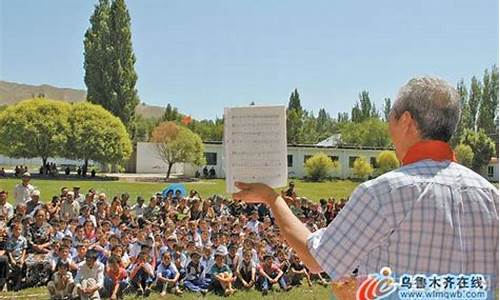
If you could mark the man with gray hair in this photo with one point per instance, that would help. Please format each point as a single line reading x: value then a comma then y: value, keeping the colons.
x: 431, y: 216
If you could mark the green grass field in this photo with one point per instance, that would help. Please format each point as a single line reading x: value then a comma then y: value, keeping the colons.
x: 48, y: 188
x: 317, y: 292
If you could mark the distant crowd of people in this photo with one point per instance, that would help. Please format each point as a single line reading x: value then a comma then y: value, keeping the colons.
x: 89, y: 246
x: 50, y: 169
x: 206, y: 173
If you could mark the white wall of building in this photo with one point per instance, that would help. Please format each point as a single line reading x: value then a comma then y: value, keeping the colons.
x: 214, y: 160
x: 300, y: 154
x: 149, y: 162
x: 491, y: 172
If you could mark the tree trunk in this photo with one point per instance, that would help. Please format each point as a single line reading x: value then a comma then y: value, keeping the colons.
x: 169, y: 169
x: 44, y: 164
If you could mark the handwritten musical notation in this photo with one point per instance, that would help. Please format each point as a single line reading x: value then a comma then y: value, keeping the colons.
x: 255, y: 145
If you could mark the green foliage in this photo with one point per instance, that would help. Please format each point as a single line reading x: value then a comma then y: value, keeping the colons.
x: 143, y: 128
x: 474, y: 102
x: 34, y: 128
x: 208, y: 130
x: 109, y: 61
x: 342, y: 117
x: 387, y: 108
x: 294, y: 126
x: 465, y: 118
x: 387, y: 161
x: 294, y: 102
x: 364, y: 110
x: 95, y: 134
x: 178, y: 144
x: 323, y: 125
x: 303, y: 127
x: 295, y: 119
x: 97, y: 53
x: 464, y: 154
x: 482, y: 146
x: 309, y: 134
x: 489, y: 102
x: 371, y: 132
x: 362, y: 167
x: 319, y: 166
x: 494, y: 93
x: 171, y: 114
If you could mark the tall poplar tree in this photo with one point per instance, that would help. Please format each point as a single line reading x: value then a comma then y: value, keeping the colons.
x: 97, y: 49
x: 123, y: 71
x: 109, y: 61
x: 295, y: 119
x: 488, y: 112
x: 474, y: 102
x: 465, y: 116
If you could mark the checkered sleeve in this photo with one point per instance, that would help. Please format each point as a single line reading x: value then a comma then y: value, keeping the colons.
x: 358, y: 227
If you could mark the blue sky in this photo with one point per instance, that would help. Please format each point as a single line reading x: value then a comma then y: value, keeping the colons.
x: 204, y: 55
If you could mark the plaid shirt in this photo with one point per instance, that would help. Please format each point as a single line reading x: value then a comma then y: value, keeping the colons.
x: 424, y: 218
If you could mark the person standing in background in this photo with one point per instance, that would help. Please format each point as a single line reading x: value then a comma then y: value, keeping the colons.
x: 23, y: 190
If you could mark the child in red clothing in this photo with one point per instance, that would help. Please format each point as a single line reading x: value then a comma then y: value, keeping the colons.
x: 115, y: 280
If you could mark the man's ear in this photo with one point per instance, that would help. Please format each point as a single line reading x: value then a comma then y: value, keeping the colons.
x: 408, y: 123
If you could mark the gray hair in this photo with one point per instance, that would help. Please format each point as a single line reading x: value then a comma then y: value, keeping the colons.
x: 434, y: 105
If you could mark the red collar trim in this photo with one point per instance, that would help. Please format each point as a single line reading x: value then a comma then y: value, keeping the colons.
x: 429, y: 149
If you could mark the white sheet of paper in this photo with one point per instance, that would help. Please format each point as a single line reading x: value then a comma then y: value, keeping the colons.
x: 255, y: 145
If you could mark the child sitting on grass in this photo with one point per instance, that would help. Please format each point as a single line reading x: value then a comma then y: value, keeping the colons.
x: 298, y: 271
x: 195, y: 280
x: 222, y: 277
x: 115, y: 280
x: 269, y: 274
x: 167, y: 275
x: 246, y: 271
x: 142, y: 274
x: 62, y: 284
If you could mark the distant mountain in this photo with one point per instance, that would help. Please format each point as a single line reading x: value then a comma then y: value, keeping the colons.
x: 11, y: 92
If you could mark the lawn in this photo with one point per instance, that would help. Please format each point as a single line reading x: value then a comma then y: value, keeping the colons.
x: 301, y: 293
x: 50, y: 187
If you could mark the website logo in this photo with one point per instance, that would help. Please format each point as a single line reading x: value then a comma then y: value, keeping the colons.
x: 377, y: 286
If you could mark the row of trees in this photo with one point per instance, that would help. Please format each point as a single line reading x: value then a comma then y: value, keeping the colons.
x: 320, y: 166
x: 478, y: 125
x: 366, y: 125
x: 48, y: 128
x: 208, y: 130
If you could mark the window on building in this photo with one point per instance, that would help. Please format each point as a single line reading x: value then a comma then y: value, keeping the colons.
x: 334, y: 158
x: 306, y: 157
x: 290, y: 160
x: 211, y: 158
x: 373, y: 162
x: 491, y: 171
x: 351, y: 161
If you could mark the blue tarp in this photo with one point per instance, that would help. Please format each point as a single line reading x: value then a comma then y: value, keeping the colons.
x: 175, y: 187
